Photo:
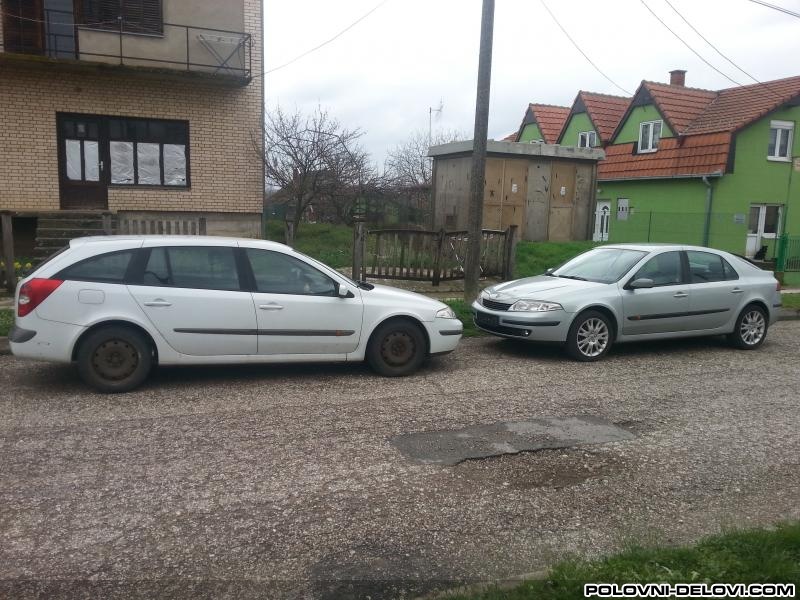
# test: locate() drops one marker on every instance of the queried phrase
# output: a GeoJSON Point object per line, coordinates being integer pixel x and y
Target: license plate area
{"type": "Point", "coordinates": [487, 319]}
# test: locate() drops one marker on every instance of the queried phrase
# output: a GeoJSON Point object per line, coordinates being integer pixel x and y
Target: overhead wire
{"type": "Point", "coordinates": [685, 43]}
{"type": "Point", "coordinates": [323, 44]}
{"type": "Point", "coordinates": [578, 48]}
{"type": "Point", "coordinates": [776, 7]}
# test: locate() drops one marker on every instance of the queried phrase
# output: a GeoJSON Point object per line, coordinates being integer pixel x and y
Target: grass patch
{"type": "Point", "coordinates": [6, 321]}
{"type": "Point", "coordinates": [534, 258]}
{"type": "Point", "coordinates": [756, 556]}
{"type": "Point", "coordinates": [464, 313]}
{"type": "Point", "coordinates": [331, 244]}
{"type": "Point", "coordinates": [791, 301]}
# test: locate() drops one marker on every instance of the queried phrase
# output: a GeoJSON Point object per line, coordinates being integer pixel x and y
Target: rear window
{"type": "Point", "coordinates": [108, 268]}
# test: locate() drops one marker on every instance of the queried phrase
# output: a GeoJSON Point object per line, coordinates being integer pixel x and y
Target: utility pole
{"type": "Point", "coordinates": [475, 220]}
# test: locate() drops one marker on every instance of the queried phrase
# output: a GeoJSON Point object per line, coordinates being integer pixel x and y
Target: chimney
{"type": "Point", "coordinates": [677, 77]}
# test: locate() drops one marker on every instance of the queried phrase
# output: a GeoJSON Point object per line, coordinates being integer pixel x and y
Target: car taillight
{"type": "Point", "coordinates": [33, 293]}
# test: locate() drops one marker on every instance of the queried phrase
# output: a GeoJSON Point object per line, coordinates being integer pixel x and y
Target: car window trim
{"type": "Point", "coordinates": [255, 290]}
{"type": "Point", "coordinates": [62, 275]}
{"type": "Point", "coordinates": [137, 276]}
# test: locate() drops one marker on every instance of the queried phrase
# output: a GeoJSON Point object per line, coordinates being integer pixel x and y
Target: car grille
{"type": "Point", "coordinates": [494, 305]}
{"type": "Point", "coordinates": [502, 330]}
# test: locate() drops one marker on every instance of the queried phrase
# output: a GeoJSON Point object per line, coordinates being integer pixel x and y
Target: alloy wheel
{"type": "Point", "coordinates": [592, 337]}
{"type": "Point", "coordinates": [752, 327]}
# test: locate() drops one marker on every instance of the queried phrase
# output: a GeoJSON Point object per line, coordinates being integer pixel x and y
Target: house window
{"type": "Point", "coordinates": [649, 135]}
{"type": "Point", "coordinates": [136, 16]}
{"type": "Point", "coordinates": [780, 140]}
{"type": "Point", "coordinates": [587, 139]}
{"type": "Point", "coordinates": [148, 152]}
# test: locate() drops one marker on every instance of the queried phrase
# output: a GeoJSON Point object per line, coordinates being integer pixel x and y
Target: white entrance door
{"type": "Point", "coordinates": [602, 217]}
{"type": "Point", "coordinates": [763, 224]}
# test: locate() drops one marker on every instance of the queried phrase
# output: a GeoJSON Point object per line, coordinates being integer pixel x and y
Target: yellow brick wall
{"type": "Point", "coordinates": [224, 123]}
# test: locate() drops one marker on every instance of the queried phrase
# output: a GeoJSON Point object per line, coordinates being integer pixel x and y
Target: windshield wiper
{"type": "Point", "coordinates": [364, 285]}
{"type": "Point", "coordinates": [576, 277]}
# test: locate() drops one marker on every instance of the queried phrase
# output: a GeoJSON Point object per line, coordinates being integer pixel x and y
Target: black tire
{"type": "Point", "coordinates": [396, 348]}
{"type": "Point", "coordinates": [115, 359]}
{"type": "Point", "coordinates": [590, 336]}
{"type": "Point", "coordinates": [751, 328]}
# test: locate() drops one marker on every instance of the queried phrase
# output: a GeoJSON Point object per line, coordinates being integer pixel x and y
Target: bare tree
{"type": "Point", "coordinates": [311, 159]}
{"type": "Point", "coordinates": [408, 165]}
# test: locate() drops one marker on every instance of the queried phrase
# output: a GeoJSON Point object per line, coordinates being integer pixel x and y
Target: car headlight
{"type": "Point", "coordinates": [534, 306]}
{"type": "Point", "coordinates": [446, 313]}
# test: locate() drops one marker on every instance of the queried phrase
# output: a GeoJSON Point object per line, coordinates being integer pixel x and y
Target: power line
{"type": "Point", "coordinates": [578, 48]}
{"type": "Point", "coordinates": [778, 8]}
{"type": "Point", "coordinates": [325, 43]}
{"type": "Point", "coordinates": [696, 53]}
{"type": "Point", "coordinates": [705, 39]}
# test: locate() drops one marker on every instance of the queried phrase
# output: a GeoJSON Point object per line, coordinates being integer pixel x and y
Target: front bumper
{"type": "Point", "coordinates": [444, 335]}
{"type": "Point", "coordinates": [550, 326]}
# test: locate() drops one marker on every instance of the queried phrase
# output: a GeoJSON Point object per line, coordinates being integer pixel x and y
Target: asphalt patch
{"type": "Point", "coordinates": [450, 447]}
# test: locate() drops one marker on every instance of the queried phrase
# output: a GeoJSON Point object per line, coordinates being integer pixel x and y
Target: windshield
{"type": "Point", "coordinates": [601, 265]}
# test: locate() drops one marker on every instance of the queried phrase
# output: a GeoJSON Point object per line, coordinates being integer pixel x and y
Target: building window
{"type": "Point", "coordinates": [649, 135]}
{"type": "Point", "coordinates": [148, 152]}
{"type": "Point", "coordinates": [587, 139]}
{"type": "Point", "coordinates": [780, 140]}
{"type": "Point", "coordinates": [136, 16]}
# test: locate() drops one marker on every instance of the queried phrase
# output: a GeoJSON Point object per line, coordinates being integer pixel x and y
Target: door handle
{"type": "Point", "coordinates": [272, 306]}
{"type": "Point", "coordinates": [737, 291]}
{"type": "Point", "coordinates": [680, 295]}
{"type": "Point", "coordinates": [158, 302]}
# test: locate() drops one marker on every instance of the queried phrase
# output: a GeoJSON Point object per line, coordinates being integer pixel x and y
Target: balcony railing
{"type": "Point", "coordinates": [187, 48]}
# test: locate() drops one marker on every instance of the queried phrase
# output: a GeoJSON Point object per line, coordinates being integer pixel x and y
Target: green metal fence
{"type": "Point", "coordinates": [725, 230]}
{"type": "Point", "coordinates": [788, 253]}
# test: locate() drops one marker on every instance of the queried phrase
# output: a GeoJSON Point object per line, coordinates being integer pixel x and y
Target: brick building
{"type": "Point", "coordinates": [145, 112]}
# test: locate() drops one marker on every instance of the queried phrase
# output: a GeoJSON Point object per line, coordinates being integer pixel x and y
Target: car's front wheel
{"type": "Point", "coordinates": [751, 328]}
{"type": "Point", "coordinates": [396, 348]}
{"type": "Point", "coordinates": [114, 359]}
{"type": "Point", "coordinates": [590, 337]}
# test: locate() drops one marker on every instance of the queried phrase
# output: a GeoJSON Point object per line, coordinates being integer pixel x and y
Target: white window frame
{"type": "Point", "coordinates": [650, 147]}
{"type": "Point", "coordinates": [589, 136]}
{"type": "Point", "coordinates": [783, 128]}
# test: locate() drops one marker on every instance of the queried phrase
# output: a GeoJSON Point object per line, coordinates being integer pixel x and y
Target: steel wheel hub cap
{"type": "Point", "coordinates": [397, 348]}
{"type": "Point", "coordinates": [115, 360]}
{"type": "Point", "coordinates": [752, 328]}
{"type": "Point", "coordinates": [592, 337]}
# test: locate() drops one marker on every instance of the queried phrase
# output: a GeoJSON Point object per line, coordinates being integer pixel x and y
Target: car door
{"type": "Point", "coordinates": [298, 309]}
{"type": "Point", "coordinates": [714, 288]}
{"type": "Point", "coordinates": [193, 296]}
{"type": "Point", "coordinates": [662, 308]}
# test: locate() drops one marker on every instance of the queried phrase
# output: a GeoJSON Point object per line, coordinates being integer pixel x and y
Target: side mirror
{"type": "Point", "coordinates": [549, 270]}
{"type": "Point", "coordinates": [641, 284]}
{"type": "Point", "coordinates": [343, 292]}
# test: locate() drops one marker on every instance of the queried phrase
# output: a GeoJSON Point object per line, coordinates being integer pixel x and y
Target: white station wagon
{"type": "Point", "coordinates": [119, 305]}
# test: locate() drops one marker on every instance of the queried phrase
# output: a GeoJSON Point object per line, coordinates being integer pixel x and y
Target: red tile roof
{"type": "Point", "coordinates": [511, 137]}
{"type": "Point", "coordinates": [605, 111]}
{"type": "Point", "coordinates": [734, 108]}
{"type": "Point", "coordinates": [679, 105]}
{"type": "Point", "coordinates": [691, 155]}
{"type": "Point", "coordinates": [550, 119]}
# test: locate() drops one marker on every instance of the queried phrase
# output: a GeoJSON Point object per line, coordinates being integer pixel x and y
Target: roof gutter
{"type": "Point", "coordinates": [663, 177]}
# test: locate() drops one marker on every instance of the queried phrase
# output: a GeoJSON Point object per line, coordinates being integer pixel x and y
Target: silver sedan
{"type": "Point", "coordinates": [634, 292]}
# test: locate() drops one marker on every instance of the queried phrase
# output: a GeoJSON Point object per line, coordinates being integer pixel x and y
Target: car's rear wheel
{"type": "Point", "coordinates": [590, 336]}
{"type": "Point", "coordinates": [396, 348]}
{"type": "Point", "coordinates": [751, 328]}
{"type": "Point", "coordinates": [115, 359]}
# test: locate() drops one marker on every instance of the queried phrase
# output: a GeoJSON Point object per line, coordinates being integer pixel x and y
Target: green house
{"type": "Point", "coordinates": [542, 123]}
{"type": "Point", "coordinates": [711, 167]}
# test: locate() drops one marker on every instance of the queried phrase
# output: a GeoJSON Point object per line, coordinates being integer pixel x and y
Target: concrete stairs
{"type": "Point", "coordinates": [55, 230]}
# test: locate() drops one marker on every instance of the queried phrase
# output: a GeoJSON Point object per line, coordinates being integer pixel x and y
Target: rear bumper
{"type": "Point", "coordinates": [551, 326]}
{"type": "Point", "coordinates": [50, 341]}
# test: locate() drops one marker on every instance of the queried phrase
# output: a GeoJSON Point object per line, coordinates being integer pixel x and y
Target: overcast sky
{"type": "Point", "coordinates": [385, 73]}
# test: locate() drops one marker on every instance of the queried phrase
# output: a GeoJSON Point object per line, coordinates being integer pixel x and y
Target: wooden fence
{"type": "Point", "coordinates": [161, 226]}
{"type": "Point", "coordinates": [435, 256]}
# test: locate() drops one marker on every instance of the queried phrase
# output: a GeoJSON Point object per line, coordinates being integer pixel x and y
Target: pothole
{"type": "Point", "coordinates": [541, 469]}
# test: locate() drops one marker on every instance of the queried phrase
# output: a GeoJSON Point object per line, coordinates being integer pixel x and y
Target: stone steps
{"type": "Point", "coordinates": [55, 230]}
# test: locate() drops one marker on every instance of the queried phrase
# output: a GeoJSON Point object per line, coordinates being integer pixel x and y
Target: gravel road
{"type": "Point", "coordinates": [281, 482]}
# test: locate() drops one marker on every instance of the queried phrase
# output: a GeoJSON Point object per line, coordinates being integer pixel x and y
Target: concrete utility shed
{"type": "Point", "coordinates": [547, 191]}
